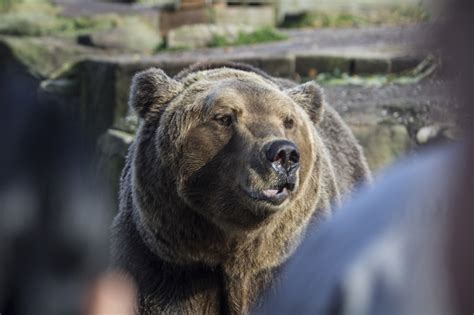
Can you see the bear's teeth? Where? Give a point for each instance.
(270, 192)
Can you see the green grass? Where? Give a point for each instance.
(262, 35)
(395, 15)
(266, 34)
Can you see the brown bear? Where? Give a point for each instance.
(228, 169)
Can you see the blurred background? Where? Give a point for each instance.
(65, 71)
(374, 58)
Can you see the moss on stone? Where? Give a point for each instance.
(130, 34)
(40, 23)
(261, 35)
(42, 6)
(26, 24)
(43, 56)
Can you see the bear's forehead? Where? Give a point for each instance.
(237, 88)
(227, 74)
(243, 96)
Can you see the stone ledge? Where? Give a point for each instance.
(105, 81)
(309, 64)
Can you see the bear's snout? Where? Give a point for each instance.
(283, 156)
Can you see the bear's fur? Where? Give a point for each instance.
(188, 230)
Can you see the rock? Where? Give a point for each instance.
(132, 35)
(172, 19)
(42, 56)
(99, 9)
(60, 93)
(114, 143)
(113, 146)
(256, 16)
(203, 35)
(28, 24)
(61, 86)
(309, 65)
(383, 143)
(450, 133)
(434, 134)
(427, 133)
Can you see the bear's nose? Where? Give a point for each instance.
(284, 153)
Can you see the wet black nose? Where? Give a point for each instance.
(284, 153)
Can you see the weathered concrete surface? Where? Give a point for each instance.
(131, 35)
(170, 19)
(89, 8)
(256, 16)
(42, 56)
(202, 35)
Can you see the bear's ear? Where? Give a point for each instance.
(309, 96)
(151, 90)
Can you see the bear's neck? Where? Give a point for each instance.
(239, 267)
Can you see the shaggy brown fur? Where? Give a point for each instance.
(190, 230)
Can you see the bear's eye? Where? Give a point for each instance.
(288, 123)
(224, 120)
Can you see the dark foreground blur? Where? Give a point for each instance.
(53, 223)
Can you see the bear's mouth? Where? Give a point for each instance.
(275, 195)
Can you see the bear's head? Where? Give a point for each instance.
(230, 145)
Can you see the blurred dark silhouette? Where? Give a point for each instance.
(457, 43)
(53, 219)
